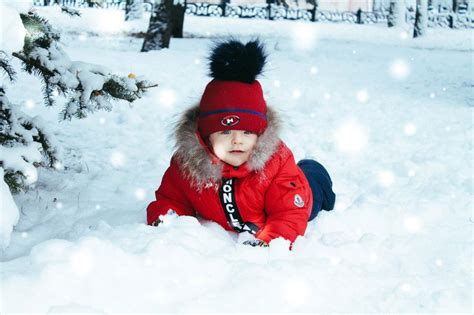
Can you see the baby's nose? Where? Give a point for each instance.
(237, 138)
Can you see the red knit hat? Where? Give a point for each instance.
(234, 100)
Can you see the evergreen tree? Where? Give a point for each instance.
(25, 142)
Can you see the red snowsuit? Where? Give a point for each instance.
(269, 188)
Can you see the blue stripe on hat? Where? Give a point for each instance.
(233, 110)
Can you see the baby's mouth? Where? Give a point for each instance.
(237, 151)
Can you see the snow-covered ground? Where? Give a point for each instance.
(390, 117)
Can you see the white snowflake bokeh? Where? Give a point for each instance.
(304, 35)
(167, 98)
(30, 104)
(399, 69)
(296, 93)
(351, 137)
(409, 129)
(58, 165)
(362, 96)
(117, 159)
(140, 194)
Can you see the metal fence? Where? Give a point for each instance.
(437, 17)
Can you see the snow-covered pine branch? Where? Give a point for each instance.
(25, 143)
(6, 67)
(89, 87)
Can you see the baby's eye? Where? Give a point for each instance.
(225, 132)
(248, 132)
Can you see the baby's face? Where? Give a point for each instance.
(233, 146)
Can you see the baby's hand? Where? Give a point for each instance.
(156, 222)
(256, 243)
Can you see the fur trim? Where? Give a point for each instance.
(194, 157)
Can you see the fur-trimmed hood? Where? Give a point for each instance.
(200, 166)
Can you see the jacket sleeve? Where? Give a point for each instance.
(170, 195)
(288, 203)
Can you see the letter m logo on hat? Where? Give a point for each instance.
(230, 120)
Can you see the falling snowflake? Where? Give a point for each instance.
(102, 120)
(277, 83)
(386, 178)
(30, 104)
(140, 194)
(58, 165)
(167, 98)
(296, 93)
(305, 36)
(314, 70)
(117, 159)
(410, 129)
(327, 96)
(399, 69)
(362, 96)
(351, 137)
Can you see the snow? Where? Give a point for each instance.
(9, 213)
(399, 239)
(12, 31)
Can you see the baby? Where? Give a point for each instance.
(231, 167)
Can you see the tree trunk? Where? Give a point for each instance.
(177, 16)
(396, 13)
(159, 30)
(455, 6)
(421, 18)
(133, 10)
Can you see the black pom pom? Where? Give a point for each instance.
(234, 61)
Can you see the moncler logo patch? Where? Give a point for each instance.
(231, 120)
(299, 202)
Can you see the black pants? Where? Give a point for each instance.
(321, 186)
